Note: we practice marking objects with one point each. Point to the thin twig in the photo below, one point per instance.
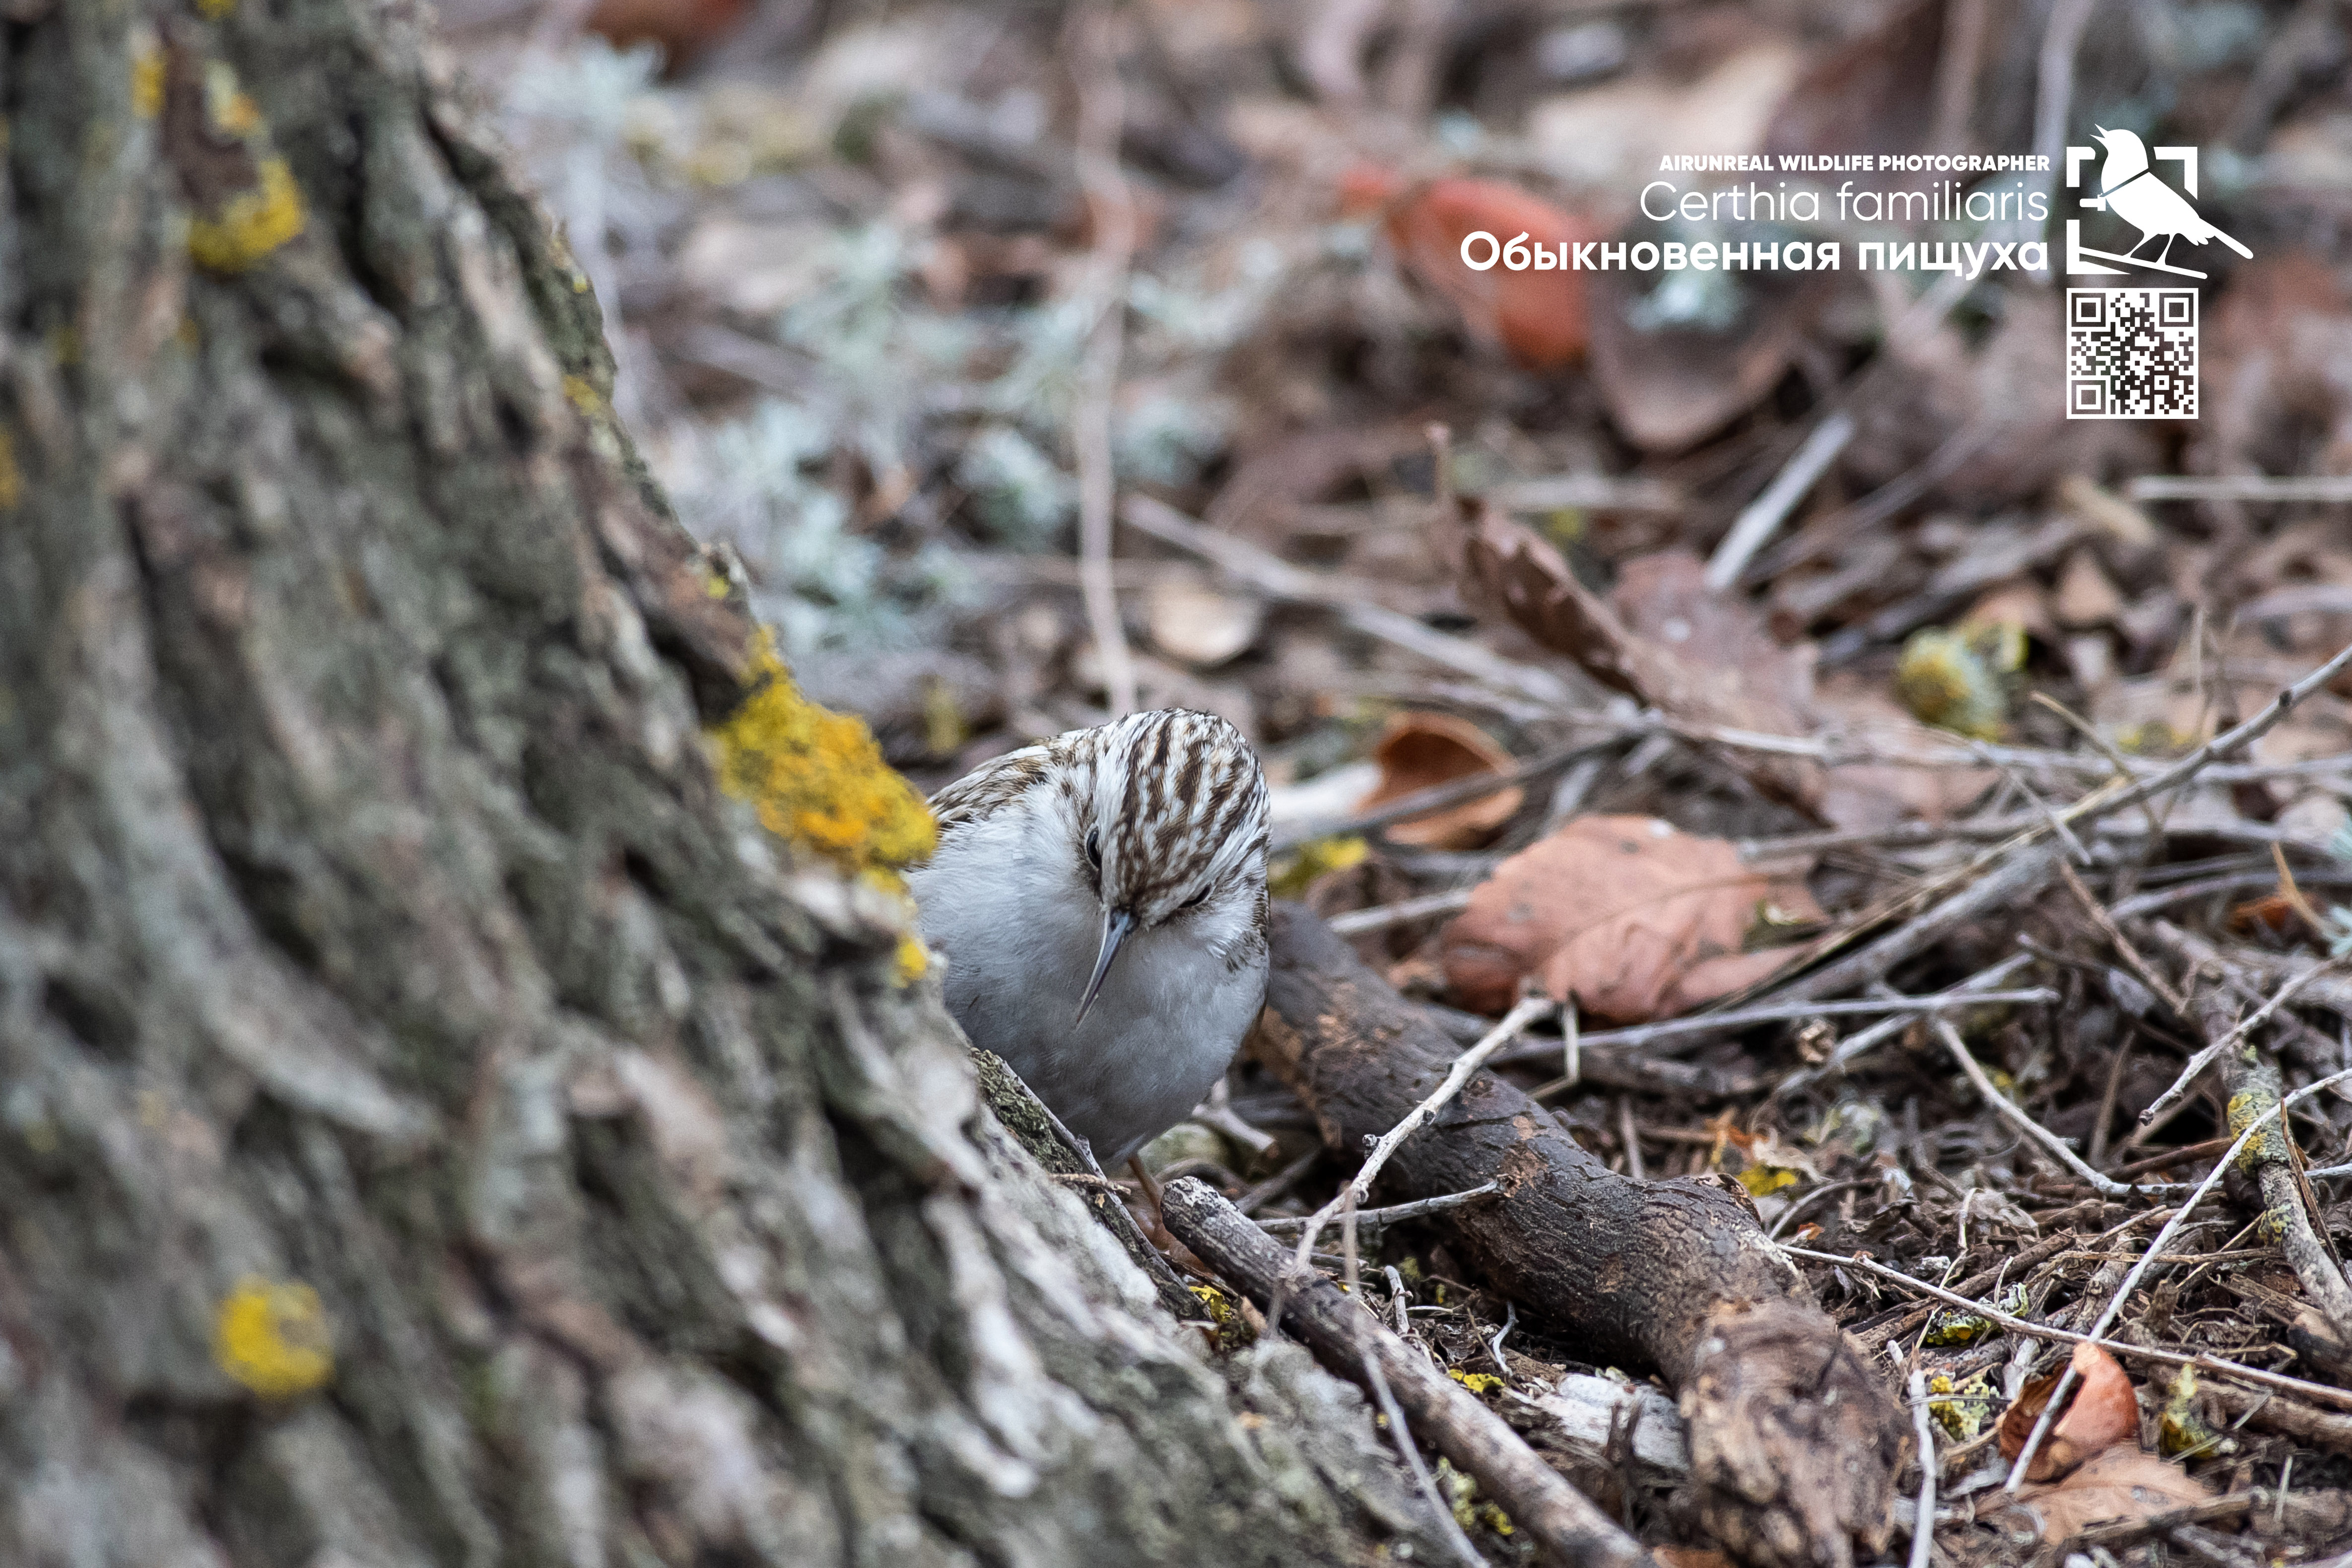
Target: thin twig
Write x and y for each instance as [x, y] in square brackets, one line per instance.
[2323, 487]
[1438, 797]
[1281, 1181]
[1528, 1010]
[2204, 1058]
[2054, 86]
[1906, 1007]
[2122, 944]
[1923, 1524]
[1102, 112]
[1404, 911]
[1766, 513]
[1410, 1453]
[1239, 558]
[1853, 1049]
[2131, 1280]
[2319, 1393]
[2105, 1186]
[2237, 739]
[1395, 1212]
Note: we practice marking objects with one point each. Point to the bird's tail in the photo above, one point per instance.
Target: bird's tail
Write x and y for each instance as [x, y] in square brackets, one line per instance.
[2231, 244]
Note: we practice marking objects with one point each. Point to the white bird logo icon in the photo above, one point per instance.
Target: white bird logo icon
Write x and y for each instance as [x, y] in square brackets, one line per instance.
[2131, 190]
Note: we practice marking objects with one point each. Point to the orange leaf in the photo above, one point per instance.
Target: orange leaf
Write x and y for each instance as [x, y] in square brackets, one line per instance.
[1633, 918]
[1540, 317]
[2103, 1415]
[1422, 750]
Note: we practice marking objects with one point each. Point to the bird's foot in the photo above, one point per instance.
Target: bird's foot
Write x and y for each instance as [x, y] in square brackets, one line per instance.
[1157, 1232]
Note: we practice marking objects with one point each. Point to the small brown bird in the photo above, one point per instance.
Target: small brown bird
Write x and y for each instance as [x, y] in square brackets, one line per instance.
[1100, 901]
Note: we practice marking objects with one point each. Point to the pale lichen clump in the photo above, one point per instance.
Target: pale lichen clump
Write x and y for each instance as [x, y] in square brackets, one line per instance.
[1957, 680]
[251, 224]
[818, 780]
[272, 1338]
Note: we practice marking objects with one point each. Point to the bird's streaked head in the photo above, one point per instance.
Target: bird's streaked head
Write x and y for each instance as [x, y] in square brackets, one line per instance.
[1171, 827]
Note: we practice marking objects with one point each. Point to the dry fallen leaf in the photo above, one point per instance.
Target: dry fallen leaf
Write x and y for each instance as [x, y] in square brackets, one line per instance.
[2101, 1414]
[1538, 316]
[1199, 625]
[1422, 750]
[1856, 713]
[1690, 1557]
[1669, 385]
[1632, 917]
[1522, 572]
[2119, 1485]
[2085, 596]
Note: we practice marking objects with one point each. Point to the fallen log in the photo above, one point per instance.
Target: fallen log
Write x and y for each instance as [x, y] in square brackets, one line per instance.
[1795, 1442]
[1348, 1338]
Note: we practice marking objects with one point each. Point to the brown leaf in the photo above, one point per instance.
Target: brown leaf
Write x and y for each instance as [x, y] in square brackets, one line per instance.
[1748, 688]
[1855, 711]
[1665, 597]
[1632, 918]
[1667, 388]
[1690, 1557]
[1201, 624]
[1261, 500]
[1422, 750]
[2101, 1414]
[1538, 316]
[2119, 1485]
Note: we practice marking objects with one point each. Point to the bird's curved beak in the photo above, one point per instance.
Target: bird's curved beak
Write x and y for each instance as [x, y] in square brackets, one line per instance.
[1116, 923]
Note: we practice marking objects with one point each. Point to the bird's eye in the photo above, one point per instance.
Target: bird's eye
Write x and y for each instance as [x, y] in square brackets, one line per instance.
[1094, 850]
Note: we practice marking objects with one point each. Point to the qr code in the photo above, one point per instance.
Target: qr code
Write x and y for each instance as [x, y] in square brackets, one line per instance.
[2131, 354]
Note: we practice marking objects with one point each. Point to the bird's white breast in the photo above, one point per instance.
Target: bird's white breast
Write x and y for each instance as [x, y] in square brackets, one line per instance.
[1003, 906]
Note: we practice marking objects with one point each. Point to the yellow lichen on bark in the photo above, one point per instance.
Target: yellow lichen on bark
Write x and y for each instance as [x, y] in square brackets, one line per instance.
[251, 224]
[147, 82]
[272, 1338]
[12, 484]
[818, 780]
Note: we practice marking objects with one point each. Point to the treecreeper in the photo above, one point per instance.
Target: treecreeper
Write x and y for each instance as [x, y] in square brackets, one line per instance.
[1098, 900]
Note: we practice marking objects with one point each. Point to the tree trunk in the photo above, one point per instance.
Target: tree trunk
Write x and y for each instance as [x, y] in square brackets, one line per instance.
[436, 1126]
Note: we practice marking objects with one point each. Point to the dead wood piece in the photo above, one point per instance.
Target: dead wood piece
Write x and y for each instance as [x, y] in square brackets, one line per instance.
[1795, 1443]
[2321, 1332]
[1344, 1335]
[1603, 1423]
[2268, 1412]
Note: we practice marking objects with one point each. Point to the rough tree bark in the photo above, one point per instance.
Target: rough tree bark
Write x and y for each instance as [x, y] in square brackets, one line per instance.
[436, 1127]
